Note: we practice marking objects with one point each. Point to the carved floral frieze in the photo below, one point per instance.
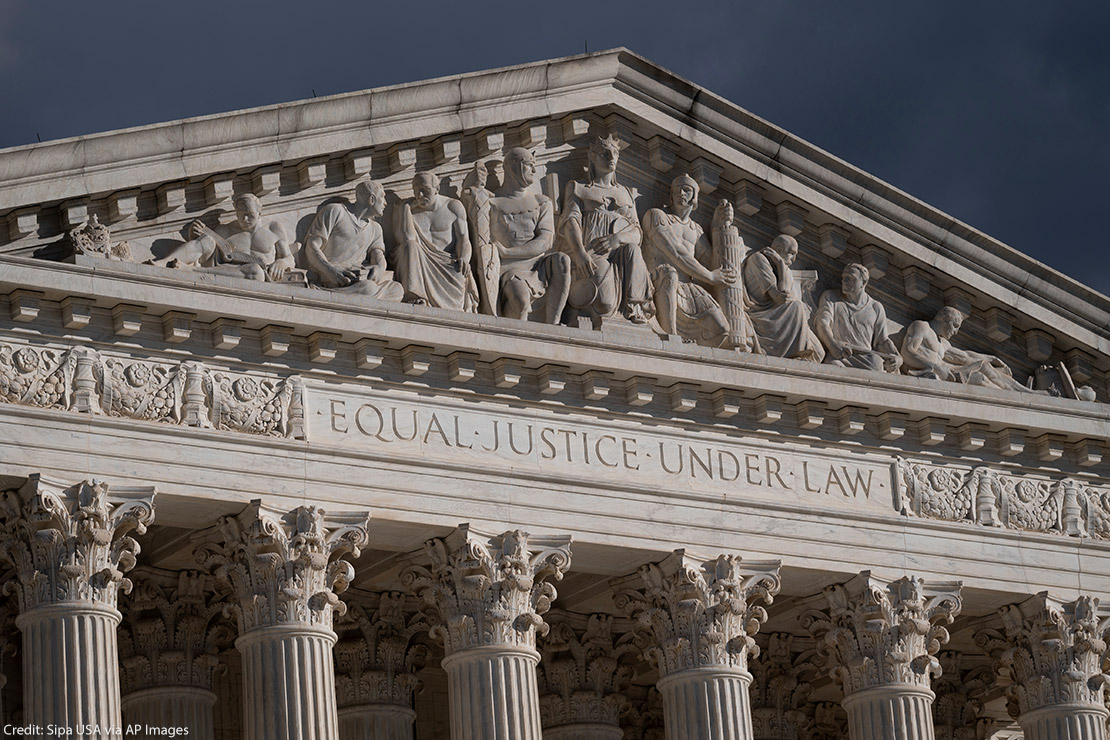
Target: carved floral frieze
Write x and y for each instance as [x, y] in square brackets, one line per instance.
[988, 497]
[188, 393]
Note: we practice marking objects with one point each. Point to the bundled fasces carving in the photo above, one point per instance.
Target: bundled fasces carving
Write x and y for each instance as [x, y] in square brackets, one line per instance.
[985, 496]
[189, 393]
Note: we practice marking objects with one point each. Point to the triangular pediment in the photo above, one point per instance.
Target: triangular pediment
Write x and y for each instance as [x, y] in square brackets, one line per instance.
[147, 186]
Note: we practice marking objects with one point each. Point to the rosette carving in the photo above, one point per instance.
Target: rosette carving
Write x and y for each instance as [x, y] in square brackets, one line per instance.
[960, 692]
[780, 689]
[171, 636]
[877, 634]
[1054, 652]
[71, 543]
[40, 377]
[694, 613]
[486, 590]
[377, 660]
[583, 670]
[285, 567]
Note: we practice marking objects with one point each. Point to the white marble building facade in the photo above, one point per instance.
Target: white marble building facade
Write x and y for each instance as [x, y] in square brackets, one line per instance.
[566, 401]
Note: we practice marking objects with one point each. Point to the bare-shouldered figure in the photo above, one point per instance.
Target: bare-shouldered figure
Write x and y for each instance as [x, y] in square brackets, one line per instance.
[433, 249]
[252, 246]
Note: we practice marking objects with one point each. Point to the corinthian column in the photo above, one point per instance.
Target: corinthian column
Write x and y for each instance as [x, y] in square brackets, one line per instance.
[1053, 651]
[696, 620]
[376, 665]
[488, 593]
[70, 548]
[582, 672]
[284, 570]
[958, 709]
[169, 640]
[778, 691]
[879, 640]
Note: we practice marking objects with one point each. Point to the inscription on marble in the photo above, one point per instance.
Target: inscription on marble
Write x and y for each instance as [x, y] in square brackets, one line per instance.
[709, 465]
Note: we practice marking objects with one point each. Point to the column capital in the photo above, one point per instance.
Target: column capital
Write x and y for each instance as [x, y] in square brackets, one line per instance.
[489, 590]
[1053, 651]
[875, 633]
[172, 632]
[780, 688]
[693, 612]
[377, 659]
[827, 720]
[583, 670]
[961, 692]
[285, 567]
[72, 543]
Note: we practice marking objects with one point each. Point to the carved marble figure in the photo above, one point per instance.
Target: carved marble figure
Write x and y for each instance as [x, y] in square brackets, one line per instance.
[252, 246]
[601, 233]
[344, 246]
[432, 260]
[779, 317]
[522, 234]
[852, 325]
[928, 353]
[676, 250]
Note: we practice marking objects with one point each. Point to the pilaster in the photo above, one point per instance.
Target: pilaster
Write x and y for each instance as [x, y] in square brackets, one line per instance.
[169, 641]
[376, 665]
[285, 570]
[879, 640]
[488, 595]
[582, 672]
[71, 547]
[1053, 652]
[696, 620]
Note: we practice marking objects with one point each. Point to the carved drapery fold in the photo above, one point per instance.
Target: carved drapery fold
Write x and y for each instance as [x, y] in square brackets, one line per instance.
[780, 689]
[487, 596]
[1054, 652]
[188, 392]
[696, 620]
[582, 672]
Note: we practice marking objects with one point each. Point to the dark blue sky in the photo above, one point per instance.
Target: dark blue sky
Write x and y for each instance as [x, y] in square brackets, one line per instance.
[997, 113]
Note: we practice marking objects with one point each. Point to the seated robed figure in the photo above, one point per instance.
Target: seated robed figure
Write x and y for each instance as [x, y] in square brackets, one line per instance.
[432, 259]
[778, 315]
[344, 248]
[676, 251]
[601, 233]
[852, 325]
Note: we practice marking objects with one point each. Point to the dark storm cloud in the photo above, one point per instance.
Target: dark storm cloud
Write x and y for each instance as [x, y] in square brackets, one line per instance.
[996, 113]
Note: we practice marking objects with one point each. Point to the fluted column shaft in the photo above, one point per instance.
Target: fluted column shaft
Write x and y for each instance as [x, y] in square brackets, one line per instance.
[376, 722]
[1078, 721]
[288, 683]
[493, 693]
[170, 706]
[71, 666]
[707, 703]
[891, 712]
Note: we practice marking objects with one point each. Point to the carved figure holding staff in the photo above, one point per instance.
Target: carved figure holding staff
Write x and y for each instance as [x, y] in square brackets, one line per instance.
[675, 251]
[515, 253]
[250, 247]
[601, 233]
